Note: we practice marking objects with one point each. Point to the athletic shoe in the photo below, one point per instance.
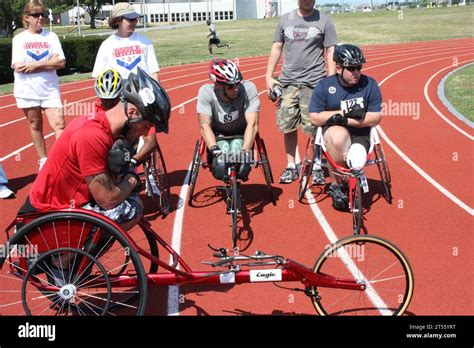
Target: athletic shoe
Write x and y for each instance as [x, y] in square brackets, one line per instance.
[318, 177]
[289, 175]
[339, 198]
[6, 193]
[41, 162]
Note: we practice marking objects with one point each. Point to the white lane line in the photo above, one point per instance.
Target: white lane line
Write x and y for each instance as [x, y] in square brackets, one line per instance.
[420, 171]
[16, 152]
[425, 175]
[65, 105]
[438, 112]
[173, 291]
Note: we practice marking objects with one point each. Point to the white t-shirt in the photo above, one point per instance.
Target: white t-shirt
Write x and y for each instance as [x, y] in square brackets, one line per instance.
[125, 54]
[28, 47]
[212, 29]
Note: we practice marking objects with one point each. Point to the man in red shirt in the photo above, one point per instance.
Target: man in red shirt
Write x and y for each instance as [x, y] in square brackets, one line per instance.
[77, 172]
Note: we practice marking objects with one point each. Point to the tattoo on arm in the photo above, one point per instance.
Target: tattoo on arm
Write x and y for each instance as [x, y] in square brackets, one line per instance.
[105, 180]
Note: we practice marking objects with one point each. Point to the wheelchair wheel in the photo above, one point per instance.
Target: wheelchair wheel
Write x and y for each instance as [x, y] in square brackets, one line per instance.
[157, 181]
[98, 249]
[367, 259]
[63, 290]
[234, 209]
[356, 208]
[306, 168]
[384, 172]
[266, 168]
[195, 166]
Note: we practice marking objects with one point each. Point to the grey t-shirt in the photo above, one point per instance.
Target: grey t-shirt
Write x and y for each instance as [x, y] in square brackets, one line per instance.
[304, 41]
[228, 118]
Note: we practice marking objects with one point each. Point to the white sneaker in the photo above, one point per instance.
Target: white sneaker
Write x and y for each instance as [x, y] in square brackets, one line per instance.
[41, 162]
[5, 192]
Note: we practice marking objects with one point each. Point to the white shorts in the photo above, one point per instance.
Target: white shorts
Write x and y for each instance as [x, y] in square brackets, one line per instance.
[23, 103]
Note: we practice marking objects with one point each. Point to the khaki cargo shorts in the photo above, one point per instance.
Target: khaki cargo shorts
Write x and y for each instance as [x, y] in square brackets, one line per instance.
[293, 111]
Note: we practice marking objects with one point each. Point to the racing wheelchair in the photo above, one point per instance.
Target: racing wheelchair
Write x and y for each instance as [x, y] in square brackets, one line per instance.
[232, 192]
[355, 180]
[155, 177]
[76, 262]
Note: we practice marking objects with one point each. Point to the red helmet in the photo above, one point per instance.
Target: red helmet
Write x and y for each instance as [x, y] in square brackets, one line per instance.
[224, 71]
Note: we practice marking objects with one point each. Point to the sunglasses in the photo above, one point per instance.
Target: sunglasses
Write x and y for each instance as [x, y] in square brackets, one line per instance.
[352, 68]
[37, 15]
[234, 86]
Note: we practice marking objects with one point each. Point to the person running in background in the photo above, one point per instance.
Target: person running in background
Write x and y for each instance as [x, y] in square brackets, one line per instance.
[214, 39]
[36, 55]
[125, 51]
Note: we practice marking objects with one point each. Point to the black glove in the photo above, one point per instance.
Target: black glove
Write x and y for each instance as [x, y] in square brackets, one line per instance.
[138, 186]
[119, 157]
[357, 112]
[337, 120]
[215, 151]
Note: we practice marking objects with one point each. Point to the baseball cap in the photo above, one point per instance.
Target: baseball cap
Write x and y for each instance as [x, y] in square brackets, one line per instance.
[124, 9]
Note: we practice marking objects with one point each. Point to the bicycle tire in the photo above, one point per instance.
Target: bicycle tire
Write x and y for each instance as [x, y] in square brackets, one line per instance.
[156, 167]
[306, 169]
[234, 208]
[266, 168]
[357, 208]
[390, 295]
[195, 166]
[384, 172]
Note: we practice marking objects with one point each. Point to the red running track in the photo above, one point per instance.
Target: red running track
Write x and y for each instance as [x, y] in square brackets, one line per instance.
[430, 159]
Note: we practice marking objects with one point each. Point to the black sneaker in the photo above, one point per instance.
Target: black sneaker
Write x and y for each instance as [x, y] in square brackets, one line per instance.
[339, 198]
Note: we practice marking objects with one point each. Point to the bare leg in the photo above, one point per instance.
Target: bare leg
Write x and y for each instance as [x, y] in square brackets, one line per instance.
[337, 140]
[291, 142]
[56, 120]
[35, 121]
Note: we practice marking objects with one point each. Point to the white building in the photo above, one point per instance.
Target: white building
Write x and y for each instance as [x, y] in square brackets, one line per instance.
[200, 10]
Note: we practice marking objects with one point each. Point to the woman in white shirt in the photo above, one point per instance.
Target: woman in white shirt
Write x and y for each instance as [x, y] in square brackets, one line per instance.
[36, 55]
[124, 51]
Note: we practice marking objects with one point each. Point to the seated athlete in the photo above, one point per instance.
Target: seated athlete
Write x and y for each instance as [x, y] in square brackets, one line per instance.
[89, 166]
[346, 105]
[228, 108]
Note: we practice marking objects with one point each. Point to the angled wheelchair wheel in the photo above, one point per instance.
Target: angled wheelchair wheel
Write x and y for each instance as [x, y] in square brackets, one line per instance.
[157, 181]
[64, 251]
[306, 168]
[234, 209]
[195, 166]
[266, 168]
[370, 260]
[384, 172]
[356, 208]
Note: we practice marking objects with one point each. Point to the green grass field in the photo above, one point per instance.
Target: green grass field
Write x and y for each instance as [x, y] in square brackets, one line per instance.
[254, 37]
[459, 90]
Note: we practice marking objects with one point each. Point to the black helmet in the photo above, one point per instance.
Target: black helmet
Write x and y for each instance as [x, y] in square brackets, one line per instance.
[149, 97]
[348, 55]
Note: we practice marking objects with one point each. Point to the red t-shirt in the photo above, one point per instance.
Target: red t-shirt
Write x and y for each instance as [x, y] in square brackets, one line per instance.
[80, 151]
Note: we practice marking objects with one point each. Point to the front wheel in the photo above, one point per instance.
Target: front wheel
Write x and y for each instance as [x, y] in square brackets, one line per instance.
[356, 208]
[157, 181]
[371, 260]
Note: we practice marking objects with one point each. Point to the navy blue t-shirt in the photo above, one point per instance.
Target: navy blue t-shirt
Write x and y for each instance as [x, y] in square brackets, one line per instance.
[329, 93]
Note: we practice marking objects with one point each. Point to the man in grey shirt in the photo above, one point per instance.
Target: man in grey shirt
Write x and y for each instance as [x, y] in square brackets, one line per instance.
[228, 108]
[305, 35]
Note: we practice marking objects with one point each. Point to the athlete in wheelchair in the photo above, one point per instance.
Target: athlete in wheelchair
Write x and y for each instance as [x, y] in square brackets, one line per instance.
[228, 112]
[89, 165]
[108, 87]
[346, 105]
